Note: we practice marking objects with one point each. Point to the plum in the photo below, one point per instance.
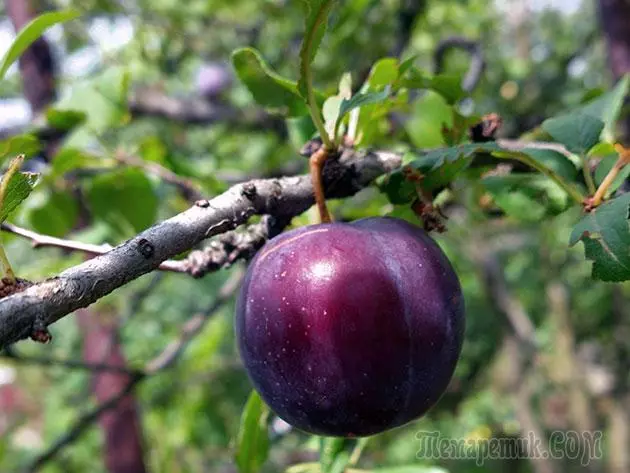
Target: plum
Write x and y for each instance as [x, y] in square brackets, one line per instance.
[350, 329]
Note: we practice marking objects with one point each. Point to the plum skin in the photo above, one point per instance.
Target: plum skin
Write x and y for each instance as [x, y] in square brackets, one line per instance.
[350, 329]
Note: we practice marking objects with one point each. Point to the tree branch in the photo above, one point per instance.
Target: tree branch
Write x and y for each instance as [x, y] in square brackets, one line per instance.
[44, 303]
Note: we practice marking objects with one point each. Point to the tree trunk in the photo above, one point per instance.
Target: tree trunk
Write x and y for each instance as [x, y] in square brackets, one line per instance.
[121, 425]
[615, 19]
[36, 64]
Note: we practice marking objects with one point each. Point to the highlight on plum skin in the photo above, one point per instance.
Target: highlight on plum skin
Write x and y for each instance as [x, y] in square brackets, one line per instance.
[350, 329]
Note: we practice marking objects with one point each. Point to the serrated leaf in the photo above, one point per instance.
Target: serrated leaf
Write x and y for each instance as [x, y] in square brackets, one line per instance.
[607, 107]
[577, 132]
[268, 88]
[397, 188]
[605, 233]
[252, 444]
[27, 145]
[124, 199]
[554, 160]
[526, 196]
[436, 168]
[317, 12]
[18, 189]
[29, 34]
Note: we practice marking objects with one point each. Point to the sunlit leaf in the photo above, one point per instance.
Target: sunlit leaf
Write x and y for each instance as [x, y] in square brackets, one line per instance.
[29, 34]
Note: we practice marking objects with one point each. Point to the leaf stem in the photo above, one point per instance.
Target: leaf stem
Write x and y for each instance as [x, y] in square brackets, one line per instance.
[570, 189]
[14, 166]
[624, 159]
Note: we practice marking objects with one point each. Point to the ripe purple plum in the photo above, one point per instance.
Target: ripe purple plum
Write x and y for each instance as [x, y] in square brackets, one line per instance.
[350, 329]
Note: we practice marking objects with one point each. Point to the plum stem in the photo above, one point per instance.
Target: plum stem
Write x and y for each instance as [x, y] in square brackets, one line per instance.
[316, 165]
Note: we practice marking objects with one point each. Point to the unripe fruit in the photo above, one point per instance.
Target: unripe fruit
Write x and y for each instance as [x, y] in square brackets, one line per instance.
[350, 329]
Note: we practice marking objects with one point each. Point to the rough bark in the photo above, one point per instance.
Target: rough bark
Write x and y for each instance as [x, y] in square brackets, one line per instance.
[33, 309]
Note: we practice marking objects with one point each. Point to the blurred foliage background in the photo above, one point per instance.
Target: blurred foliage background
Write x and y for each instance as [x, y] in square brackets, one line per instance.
[568, 368]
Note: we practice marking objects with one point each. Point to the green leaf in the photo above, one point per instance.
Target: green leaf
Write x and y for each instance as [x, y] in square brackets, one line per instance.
[103, 99]
[56, 215]
[252, 444]
[69, 159]
[605, 233]
[65, 119]
[397, 188]
[431, 113]
[527, 196]
[384, 72]
[435, 169]
[29, 34]
[18, 189]
[577, 132]
[300, 130]
[317, 12]
[333, 455]
[27, 145]
[124, 199]
[448, 86]
[607, 107]
[407, 64]
[267, 88]
[359, 100]
[554, 160]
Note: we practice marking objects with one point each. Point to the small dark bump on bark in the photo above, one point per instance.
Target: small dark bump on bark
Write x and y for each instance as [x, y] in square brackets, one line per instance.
[202, 203]
[145, 247]
[249, 190]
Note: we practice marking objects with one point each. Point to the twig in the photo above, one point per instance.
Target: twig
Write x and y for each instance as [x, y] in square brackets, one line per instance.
[477, 61]
[188, 188]
[15, 357]
[46, 302]
[220, 253]
[165, 359]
